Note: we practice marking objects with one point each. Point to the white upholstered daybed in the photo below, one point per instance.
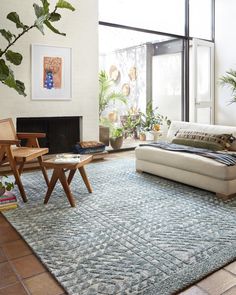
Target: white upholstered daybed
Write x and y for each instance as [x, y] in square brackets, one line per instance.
[188, 168]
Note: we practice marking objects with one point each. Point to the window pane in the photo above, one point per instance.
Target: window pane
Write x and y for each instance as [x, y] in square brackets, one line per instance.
[160, 15]
[203, 73]
[167, 85]
[204, 115]
[125, 55]
[200, 19]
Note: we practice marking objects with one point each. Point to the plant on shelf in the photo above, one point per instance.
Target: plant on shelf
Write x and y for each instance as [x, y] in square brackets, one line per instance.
[107, 94]
[116, 139]
[5, 185]
[229, 80]
[44, 17]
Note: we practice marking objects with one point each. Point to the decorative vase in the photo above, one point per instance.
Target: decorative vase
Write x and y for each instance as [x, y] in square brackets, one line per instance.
[116, 142]
[48, 83]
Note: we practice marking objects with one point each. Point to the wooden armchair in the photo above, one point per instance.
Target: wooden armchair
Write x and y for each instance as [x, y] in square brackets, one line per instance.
[17, 156]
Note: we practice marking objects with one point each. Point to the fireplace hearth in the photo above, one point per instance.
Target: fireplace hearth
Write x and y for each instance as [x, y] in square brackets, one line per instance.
[61, 132]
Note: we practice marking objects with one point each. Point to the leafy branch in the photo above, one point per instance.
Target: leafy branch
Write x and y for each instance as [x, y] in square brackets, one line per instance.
[44, 17]
[229, 80]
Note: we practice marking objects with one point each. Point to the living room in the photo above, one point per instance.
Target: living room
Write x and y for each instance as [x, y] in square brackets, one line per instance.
[118, 231]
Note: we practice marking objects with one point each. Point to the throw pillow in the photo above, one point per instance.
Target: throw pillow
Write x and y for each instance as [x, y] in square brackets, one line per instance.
[197, 139]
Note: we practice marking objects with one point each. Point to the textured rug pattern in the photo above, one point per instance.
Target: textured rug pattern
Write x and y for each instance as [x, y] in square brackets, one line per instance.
[135, 234]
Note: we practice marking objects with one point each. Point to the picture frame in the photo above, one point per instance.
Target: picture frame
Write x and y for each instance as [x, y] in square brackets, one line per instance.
[51, 72]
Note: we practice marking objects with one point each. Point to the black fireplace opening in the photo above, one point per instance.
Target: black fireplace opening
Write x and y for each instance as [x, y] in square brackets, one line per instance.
[62, 133]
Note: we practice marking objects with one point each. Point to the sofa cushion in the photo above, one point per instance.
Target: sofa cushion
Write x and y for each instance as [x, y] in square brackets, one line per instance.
[185, 161]
[205, 140]
[216, 129]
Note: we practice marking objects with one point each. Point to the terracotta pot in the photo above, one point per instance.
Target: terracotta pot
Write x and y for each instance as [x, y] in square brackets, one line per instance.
[116, 142]
[142, 136]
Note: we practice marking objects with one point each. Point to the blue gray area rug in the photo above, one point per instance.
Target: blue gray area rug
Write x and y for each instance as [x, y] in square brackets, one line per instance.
[135, 234]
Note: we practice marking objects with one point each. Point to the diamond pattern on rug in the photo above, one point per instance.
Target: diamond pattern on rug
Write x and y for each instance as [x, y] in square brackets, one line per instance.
[135, 234]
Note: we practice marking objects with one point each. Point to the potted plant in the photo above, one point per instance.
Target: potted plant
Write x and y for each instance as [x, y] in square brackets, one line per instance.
[151, 121]
[116, 139]
[5, 185]
[106, 96]
[229, 80]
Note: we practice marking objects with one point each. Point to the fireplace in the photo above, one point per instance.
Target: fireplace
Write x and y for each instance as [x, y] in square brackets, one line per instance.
[61, 132]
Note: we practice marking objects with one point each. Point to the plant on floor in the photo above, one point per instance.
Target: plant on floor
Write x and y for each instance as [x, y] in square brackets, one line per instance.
[229, 80]
[5, 185]
[151, 120]
[106, 92]
[116, 139]
[44, 17]
[117, 132]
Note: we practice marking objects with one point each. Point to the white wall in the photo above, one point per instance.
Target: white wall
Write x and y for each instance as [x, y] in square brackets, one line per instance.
[81, 28]
[225, 59]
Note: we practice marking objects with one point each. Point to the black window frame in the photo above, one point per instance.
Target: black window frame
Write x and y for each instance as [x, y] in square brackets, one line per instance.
[186, 40]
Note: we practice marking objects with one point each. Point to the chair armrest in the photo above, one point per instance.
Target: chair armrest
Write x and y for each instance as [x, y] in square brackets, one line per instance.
[24, 135]
[9, 142]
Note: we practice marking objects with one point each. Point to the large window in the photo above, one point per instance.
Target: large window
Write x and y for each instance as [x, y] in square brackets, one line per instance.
[158, 15]
[153, 38]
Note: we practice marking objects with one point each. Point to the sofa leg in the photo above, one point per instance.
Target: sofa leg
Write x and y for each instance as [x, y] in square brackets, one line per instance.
[139, 171]
[225, 197]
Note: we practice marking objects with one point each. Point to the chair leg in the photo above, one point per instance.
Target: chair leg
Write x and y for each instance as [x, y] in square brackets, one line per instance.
[21, 167]
[40, 159]
[18, 179]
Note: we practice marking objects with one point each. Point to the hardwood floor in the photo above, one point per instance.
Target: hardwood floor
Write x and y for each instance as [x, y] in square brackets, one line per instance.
[21, 272]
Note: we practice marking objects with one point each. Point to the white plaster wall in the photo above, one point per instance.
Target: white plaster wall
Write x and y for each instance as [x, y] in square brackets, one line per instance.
[225, 59]
[81, 28]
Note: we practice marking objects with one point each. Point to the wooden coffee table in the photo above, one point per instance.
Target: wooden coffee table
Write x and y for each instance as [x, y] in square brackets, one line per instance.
[59, 169]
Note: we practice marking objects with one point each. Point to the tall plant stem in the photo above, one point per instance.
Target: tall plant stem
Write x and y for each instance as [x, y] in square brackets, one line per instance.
[16, 38]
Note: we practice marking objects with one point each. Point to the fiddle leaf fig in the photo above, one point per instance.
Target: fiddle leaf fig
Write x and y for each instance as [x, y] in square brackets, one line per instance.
[15, 84]
[45, 6]
[64, 4]
[55, 17]
[40, 22]
[4, 70]
[43, 17]
[39, 11]
[7, 35]
[53, 29]
[14, 17]
[14, 57]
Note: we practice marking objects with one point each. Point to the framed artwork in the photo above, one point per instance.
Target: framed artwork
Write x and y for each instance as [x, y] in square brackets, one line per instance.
[51, 72]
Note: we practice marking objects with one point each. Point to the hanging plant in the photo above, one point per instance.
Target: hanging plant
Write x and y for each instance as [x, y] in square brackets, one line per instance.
[229, 80]
[44, 17]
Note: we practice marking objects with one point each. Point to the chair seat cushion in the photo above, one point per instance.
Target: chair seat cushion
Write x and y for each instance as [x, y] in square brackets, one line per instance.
[186, 161]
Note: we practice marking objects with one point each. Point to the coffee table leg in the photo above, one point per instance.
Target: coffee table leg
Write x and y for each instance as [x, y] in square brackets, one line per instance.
[51, 185]
[85, 179]
[64, 182]
[71, 175]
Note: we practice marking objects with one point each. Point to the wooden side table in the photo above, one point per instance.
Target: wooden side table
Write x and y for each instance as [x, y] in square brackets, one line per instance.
[59, 169]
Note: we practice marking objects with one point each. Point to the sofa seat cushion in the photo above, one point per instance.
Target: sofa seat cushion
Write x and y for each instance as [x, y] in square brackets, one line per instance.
[186, 161]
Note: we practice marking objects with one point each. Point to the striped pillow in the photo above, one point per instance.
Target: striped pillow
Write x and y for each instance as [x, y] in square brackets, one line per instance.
[197, 139]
